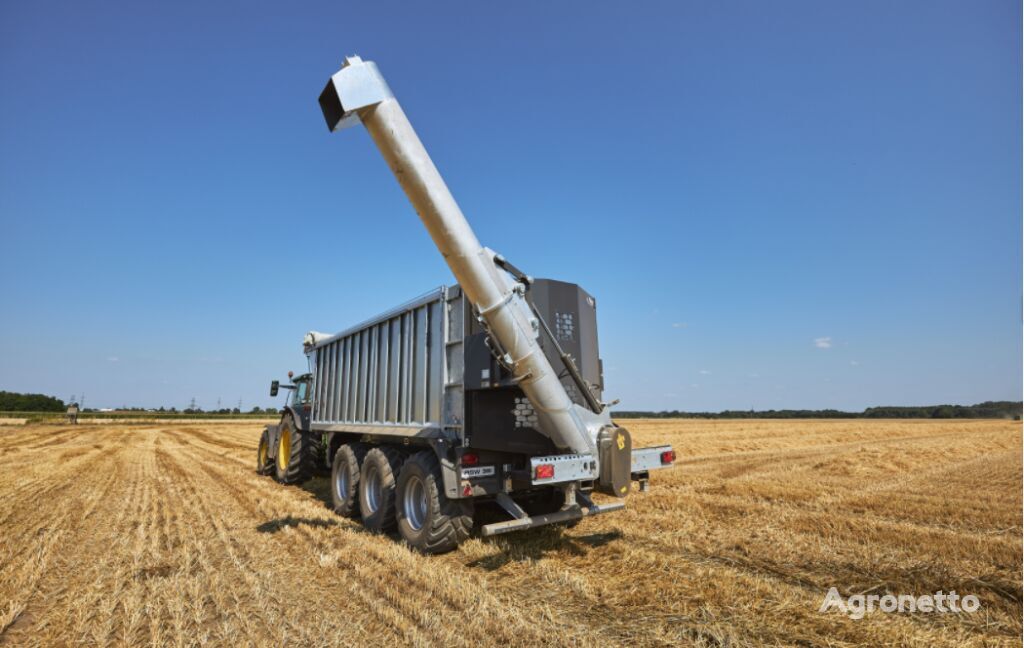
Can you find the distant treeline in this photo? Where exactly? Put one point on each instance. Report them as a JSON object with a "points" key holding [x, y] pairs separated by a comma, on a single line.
{"points": [[12, 402], [986, 410]]}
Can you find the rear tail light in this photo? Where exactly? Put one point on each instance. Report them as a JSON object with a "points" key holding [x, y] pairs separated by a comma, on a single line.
{"points": [[668, 456], [544, 471], [470, 459]]}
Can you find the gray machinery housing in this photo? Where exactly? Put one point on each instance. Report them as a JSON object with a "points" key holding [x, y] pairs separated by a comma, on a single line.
{"points": [[499, 375]]}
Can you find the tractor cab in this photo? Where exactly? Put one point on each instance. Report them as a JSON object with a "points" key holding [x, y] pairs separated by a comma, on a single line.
{"points": [[300, 402], [302, 393]]}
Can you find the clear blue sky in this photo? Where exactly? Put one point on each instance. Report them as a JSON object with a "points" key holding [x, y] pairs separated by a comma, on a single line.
{"points": [[786, 204]]}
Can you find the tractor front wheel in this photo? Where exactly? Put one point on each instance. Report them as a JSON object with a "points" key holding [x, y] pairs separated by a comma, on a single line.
{"points": [[264, 464]]}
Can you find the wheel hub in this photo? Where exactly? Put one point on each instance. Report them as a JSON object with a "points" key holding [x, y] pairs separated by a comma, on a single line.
{"points": [[374, 490], [341, 482], [414, 502], [284, 449]]}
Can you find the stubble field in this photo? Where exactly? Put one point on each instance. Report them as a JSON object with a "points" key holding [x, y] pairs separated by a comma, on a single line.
{"points": [[163, 534]]}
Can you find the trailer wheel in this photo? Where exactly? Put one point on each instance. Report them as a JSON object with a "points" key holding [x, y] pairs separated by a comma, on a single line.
{"points": [[297, 452], [427, 520], [264, 464], [348, 459], [377, 487]]}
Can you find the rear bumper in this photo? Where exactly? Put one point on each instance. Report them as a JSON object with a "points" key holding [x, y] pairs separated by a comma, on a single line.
{"points": [[521, 521], [566, 468], [648, 459]]}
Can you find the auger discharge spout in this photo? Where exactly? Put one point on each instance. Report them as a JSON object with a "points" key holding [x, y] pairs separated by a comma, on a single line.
{"points": [[358, 94]]}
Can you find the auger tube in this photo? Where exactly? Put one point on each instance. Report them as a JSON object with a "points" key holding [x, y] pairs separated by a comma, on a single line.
{"points": [[358, 93]]}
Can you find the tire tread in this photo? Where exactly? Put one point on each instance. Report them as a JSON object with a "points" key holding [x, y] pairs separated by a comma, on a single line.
{"points": [[451, 521]]}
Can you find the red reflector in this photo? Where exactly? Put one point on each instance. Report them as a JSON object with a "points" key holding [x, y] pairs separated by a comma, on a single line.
{"points": [[544, 471], [470, 459], [668, 456], [467, 491]]}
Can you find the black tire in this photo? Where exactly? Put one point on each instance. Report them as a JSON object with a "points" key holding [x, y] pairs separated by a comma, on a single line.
{"points": [[264, 464], [427, 520], [348, 460], [377, 478], [297, 452]]}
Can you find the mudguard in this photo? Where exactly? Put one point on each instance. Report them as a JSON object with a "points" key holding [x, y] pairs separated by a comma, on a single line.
{"points": [[616, 448], [272, 440]]}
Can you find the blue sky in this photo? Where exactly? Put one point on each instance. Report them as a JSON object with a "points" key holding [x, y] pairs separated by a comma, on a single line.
{"points": [[788, 204]]}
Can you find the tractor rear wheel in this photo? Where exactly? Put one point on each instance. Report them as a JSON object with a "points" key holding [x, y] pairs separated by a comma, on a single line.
{"points": [[377, 487], [345, 478], [296, 453], [264, 464], [427, 520]]}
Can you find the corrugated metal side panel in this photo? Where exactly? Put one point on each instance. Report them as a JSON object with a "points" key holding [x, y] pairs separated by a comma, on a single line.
{"points": [[391, 372], [453, 402], [435, 360]]}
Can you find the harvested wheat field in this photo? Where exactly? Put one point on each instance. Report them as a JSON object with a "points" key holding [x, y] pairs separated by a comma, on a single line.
{"points": [[164, 534]]}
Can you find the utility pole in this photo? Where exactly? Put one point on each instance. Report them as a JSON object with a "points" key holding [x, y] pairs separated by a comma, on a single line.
{"points": [[192, 404]]}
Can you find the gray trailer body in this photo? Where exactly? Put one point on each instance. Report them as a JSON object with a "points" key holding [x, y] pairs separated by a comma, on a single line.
{"points": [[426, 370], [399, 374]]}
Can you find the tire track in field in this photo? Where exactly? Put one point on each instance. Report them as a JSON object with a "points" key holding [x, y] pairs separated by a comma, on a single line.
{"points": [[13, 479], [95, 578], [215, 440], [217, 549], [32, 497], [20, 437], [56, 538], [751, 461], [289, 576], [80, 585], [372, 606]]}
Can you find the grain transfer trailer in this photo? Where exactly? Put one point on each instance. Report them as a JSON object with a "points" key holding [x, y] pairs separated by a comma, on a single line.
{"points": [[486, 394]]}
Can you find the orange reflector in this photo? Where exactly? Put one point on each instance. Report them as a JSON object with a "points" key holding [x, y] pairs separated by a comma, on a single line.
{"points": [[544, 471]]}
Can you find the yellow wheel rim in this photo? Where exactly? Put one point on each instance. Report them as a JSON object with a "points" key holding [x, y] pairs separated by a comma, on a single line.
{"points": [[263, 454], [284, 449]]}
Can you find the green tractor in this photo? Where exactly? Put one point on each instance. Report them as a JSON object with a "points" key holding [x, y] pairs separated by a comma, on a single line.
{"points": [[289, 451]]}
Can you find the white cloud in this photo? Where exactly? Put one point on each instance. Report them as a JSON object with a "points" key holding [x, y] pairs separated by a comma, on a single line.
{"points": [[705, 372], [854, 363], [679, 324], [823, 342], [113, 359]]}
